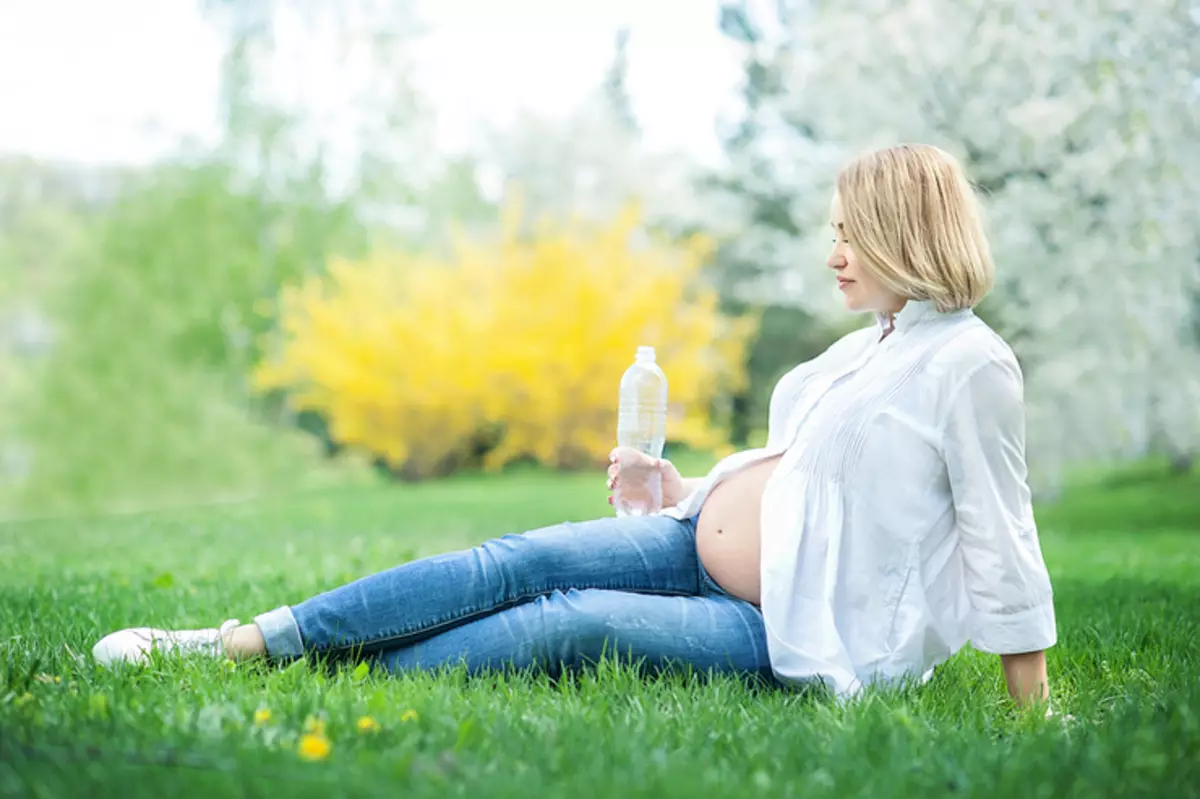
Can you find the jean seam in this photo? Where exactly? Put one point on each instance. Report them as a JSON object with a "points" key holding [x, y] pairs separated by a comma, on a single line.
{"points": [[472, 615]]}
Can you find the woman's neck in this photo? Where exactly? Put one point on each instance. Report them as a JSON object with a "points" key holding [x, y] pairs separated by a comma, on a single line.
{"points": [[887, 319]]}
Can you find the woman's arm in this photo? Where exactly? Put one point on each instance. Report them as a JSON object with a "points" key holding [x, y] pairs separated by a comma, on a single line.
{"points": [[1004, 576], [676, 488], [688, 485]]}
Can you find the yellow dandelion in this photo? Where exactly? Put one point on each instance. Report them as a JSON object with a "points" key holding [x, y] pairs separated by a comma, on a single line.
{"points": [[409, 715], [262, 716], [314, 726], [367, 724], [314, 747]]}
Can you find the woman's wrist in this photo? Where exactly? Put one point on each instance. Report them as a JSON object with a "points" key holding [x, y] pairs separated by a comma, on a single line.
{"points": [[676, 488], [1025, 675]]}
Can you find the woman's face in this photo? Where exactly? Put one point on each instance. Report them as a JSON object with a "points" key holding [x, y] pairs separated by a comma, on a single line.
{"points": [[861, 291]]}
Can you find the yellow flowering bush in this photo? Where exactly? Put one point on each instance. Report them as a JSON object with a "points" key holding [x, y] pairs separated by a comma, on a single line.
{"points": [[509, 349]]}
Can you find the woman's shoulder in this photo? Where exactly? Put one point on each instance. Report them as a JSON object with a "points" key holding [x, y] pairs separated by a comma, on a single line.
{"points": [[841, 350], [852, 343], [974, 347]]}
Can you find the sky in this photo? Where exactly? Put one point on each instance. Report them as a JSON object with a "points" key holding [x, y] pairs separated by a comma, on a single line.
{"points": [[124, 80]]}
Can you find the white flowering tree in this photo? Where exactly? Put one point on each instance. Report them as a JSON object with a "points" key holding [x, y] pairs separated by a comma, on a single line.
{"points": [[591, 161], [1081, 124]]}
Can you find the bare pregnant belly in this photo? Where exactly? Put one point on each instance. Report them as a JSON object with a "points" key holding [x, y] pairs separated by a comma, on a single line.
{"points": [[728, 531]]}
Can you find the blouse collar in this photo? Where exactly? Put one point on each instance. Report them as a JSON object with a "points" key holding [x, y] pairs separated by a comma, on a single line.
{"points": [[914, 311]]}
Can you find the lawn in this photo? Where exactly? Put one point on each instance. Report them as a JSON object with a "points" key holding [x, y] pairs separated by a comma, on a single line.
{"points": [[1124, 556]]}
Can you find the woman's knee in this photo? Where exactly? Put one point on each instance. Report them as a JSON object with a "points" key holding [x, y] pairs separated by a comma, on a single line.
{"points": [[579, 628], [532, 556]]}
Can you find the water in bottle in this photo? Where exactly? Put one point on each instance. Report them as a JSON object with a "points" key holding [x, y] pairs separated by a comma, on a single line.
{"points": [[642, 425]]}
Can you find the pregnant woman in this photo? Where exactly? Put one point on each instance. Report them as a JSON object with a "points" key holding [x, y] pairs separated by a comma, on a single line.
{"points": [[886, 523]]}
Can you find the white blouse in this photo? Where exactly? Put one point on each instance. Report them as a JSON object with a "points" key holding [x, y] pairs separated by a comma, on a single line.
{"points": [[898, 524]]}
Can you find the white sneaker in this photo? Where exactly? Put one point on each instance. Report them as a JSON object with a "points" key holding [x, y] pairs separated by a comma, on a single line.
{"points": [[135, 644]]}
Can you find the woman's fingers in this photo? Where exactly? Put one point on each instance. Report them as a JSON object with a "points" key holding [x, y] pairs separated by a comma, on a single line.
{"points": [[630, 456], [639, 462]]}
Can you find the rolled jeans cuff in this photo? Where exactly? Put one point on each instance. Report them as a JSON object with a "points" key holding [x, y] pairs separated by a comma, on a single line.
{"points": [[280, 633]]}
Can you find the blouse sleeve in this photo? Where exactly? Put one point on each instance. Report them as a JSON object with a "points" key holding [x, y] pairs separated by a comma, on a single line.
{"points": [[983, 444]]}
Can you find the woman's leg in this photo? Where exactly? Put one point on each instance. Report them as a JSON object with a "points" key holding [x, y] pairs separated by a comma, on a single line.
{"points": [[573, 628], [400, 606], [403, 605]]}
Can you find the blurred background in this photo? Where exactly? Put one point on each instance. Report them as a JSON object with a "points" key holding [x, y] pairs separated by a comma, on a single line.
{"points": [[253, 246]]}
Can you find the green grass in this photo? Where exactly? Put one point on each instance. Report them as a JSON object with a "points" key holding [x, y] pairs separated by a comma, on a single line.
{"points": [[1124, 556]]}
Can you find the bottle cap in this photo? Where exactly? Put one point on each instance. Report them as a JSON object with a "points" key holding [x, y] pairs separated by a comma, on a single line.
{"points": [[645, 353]]}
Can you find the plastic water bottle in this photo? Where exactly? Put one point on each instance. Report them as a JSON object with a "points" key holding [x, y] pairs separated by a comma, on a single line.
{"points": [[642, 425]]}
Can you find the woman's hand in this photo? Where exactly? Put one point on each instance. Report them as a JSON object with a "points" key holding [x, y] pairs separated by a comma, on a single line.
{"points": [[632, 472], [1028, 684]]}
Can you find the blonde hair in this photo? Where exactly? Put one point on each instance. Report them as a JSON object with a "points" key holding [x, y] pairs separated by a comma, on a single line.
{"points": [[916, 224]]}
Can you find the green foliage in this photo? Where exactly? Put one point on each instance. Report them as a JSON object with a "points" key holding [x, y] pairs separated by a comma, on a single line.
{"points": [[1128, 602], [46, 219], [143, 398]]}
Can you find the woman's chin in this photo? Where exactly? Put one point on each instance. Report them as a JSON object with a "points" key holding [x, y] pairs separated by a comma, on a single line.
{"points": [[853, 303]]}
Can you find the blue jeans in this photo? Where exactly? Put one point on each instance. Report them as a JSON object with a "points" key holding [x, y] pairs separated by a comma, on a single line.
{"points": [[631, 589]]}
